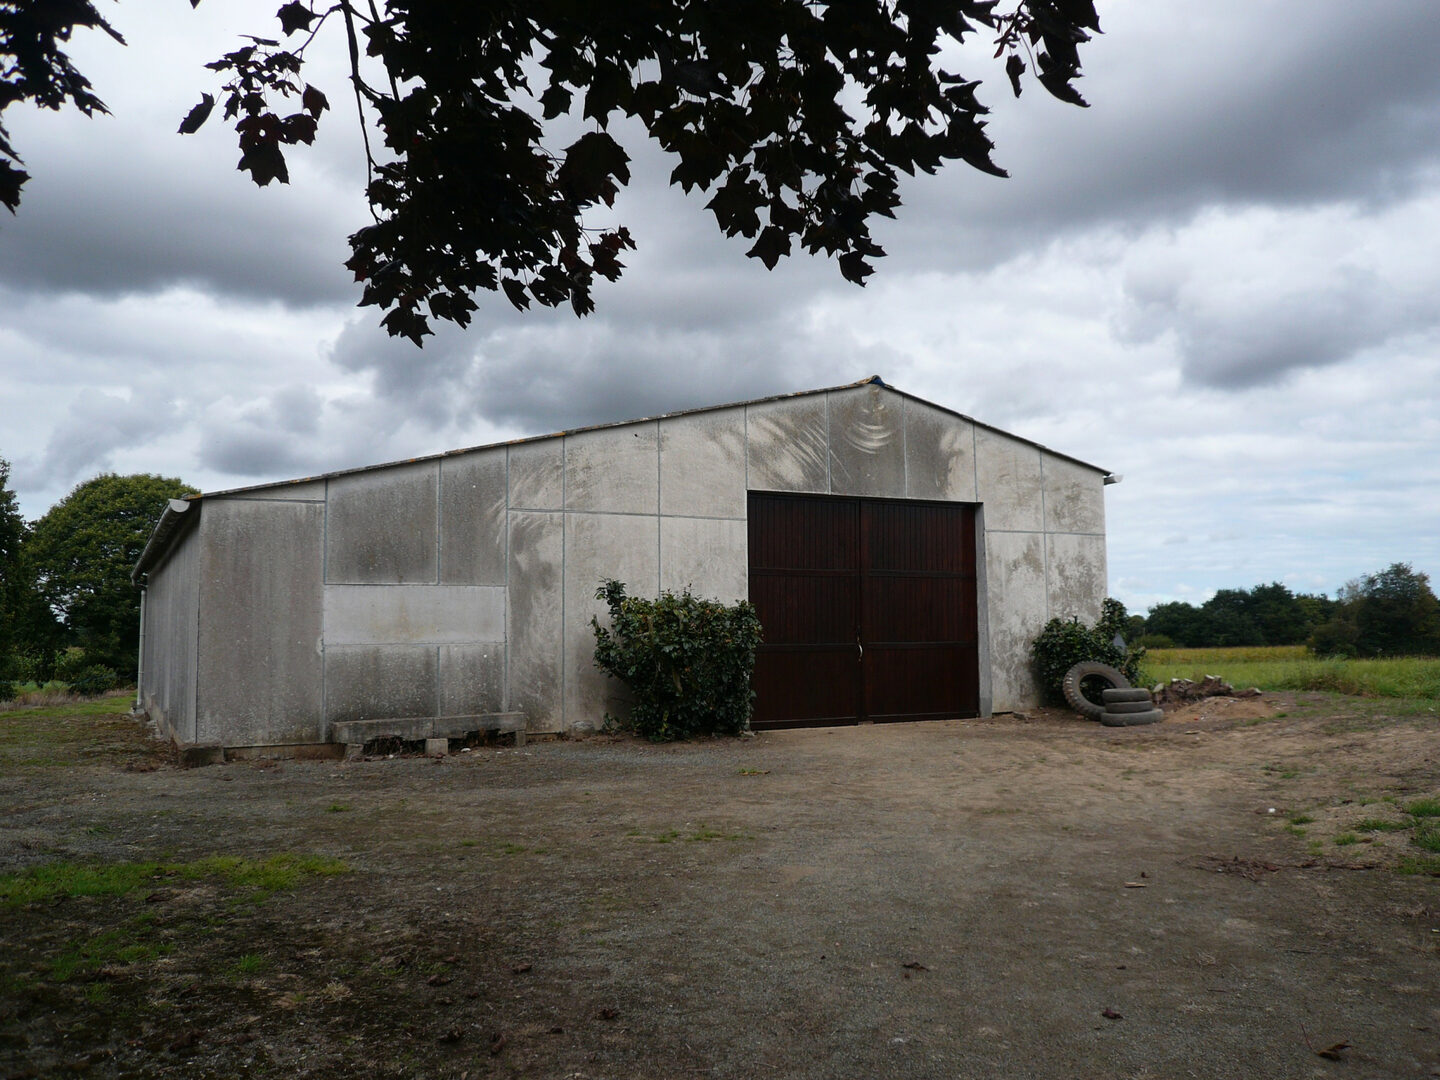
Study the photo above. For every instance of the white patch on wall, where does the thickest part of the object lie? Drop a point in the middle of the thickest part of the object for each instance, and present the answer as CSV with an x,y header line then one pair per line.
x,y
413,614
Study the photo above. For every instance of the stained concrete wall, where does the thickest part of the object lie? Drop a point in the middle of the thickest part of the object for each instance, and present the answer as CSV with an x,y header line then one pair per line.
x,y
172,614
467,583
258,676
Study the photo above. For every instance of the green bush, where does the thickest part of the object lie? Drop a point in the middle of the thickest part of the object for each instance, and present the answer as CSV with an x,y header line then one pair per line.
x,y
70,663
1063,644
686,661
94,680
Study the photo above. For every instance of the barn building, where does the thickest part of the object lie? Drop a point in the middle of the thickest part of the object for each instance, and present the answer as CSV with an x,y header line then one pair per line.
x,y
902,557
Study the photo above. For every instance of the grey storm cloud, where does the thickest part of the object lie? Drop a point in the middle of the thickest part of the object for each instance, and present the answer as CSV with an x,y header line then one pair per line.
x,y
93,428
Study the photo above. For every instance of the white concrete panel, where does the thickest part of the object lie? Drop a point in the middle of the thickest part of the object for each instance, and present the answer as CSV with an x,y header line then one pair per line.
x,y
867,442
702,464
1074,497
787,445
472,679
1008,482
939,454
536,619
381,526
413,614
1076,569
537,475
597,547
709,557
616,470
380,682
472,518
1016,608
258,668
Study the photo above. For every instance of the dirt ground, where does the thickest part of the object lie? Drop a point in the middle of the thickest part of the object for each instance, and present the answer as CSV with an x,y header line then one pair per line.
x,y
1038,897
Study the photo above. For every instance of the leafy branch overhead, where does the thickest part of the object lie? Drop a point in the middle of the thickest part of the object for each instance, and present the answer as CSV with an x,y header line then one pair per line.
x,y
794,117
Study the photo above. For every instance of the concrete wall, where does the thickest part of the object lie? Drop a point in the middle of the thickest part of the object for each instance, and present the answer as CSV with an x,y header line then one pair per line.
x,y
172,611
466,583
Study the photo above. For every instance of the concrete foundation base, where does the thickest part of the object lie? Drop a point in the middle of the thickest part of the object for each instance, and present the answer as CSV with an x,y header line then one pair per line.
x,y
437,747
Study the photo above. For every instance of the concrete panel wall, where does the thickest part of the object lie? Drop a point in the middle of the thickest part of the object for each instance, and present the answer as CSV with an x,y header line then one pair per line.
x,y
939,455
535,626
172,613
600,546
1008,482
413,614
259,670
614,470
788,445
1074,498
867,442
702,465
709,556
381,682
472,679
1075,576
537,475
472,519
1016,607
382,527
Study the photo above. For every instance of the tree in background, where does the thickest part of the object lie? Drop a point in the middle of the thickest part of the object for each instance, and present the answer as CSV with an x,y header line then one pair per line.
x,y
1390,613
12,533
799,116
1264,615
81,552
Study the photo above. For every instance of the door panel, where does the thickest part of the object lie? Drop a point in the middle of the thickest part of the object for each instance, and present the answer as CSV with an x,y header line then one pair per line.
x,y
868,608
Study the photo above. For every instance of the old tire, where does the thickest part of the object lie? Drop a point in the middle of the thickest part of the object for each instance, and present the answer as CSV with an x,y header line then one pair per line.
x,y
1090,668
1121,707
1132,719
1125,693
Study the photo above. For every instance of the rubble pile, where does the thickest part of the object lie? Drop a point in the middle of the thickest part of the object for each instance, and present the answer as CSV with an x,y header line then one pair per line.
x,y
1181,691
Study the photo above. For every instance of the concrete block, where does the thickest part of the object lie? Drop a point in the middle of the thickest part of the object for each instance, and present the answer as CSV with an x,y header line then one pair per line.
x,y
1016,610
537,475
369,682
413,614
709,556
867,442
1008,482
535,619
472,678
702,464
939,454
258,663
472,518
615,470
1076,575
787,445
381,528
1074,497
600,546
437,747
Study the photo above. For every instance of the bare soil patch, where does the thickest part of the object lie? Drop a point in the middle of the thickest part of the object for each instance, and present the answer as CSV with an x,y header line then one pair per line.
x,y
1038,897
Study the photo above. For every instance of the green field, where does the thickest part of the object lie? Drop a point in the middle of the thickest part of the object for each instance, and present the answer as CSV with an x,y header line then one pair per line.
x,y
1292,667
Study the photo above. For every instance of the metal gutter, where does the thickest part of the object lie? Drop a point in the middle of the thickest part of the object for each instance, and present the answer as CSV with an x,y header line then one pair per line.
x,y
178,514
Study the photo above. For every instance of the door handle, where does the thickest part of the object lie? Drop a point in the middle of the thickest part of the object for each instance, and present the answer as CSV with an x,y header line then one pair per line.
x,y
860,647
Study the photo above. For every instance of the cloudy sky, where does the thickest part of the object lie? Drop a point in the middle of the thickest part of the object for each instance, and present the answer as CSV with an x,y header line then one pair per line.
x,y
1222,281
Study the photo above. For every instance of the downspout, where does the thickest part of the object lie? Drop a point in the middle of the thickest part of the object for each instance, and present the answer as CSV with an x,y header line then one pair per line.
x,y
139,706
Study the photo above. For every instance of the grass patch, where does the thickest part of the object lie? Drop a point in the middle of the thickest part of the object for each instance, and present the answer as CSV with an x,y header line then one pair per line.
x,y
251,963
1292,667
338,808
108,949
1345,839
1301,819
77,732
69,880
1427,838
1420,864
1380,825
1424,808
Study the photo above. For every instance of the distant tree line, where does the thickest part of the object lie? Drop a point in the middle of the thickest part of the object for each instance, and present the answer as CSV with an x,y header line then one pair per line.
x,y
66,602
1392,612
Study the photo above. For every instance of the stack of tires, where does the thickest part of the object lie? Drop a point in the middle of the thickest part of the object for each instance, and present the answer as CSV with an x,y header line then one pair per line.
x,y
1125,705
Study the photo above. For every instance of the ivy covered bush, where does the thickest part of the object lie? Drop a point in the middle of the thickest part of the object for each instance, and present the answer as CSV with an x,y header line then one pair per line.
x,y
1065,643
686,661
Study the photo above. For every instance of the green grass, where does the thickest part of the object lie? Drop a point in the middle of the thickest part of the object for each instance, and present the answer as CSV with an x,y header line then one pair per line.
x,y
1345,839
1291,667
68,880
106,950
1424,808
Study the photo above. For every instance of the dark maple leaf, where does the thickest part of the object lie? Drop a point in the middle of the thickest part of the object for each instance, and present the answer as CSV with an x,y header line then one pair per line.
x,y
198,115
294,16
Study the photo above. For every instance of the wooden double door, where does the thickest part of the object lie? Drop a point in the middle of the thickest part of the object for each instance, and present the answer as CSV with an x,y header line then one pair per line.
x,y
868,610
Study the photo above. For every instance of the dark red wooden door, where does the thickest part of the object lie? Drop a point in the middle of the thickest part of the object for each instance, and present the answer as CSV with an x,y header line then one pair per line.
x,y
868,608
